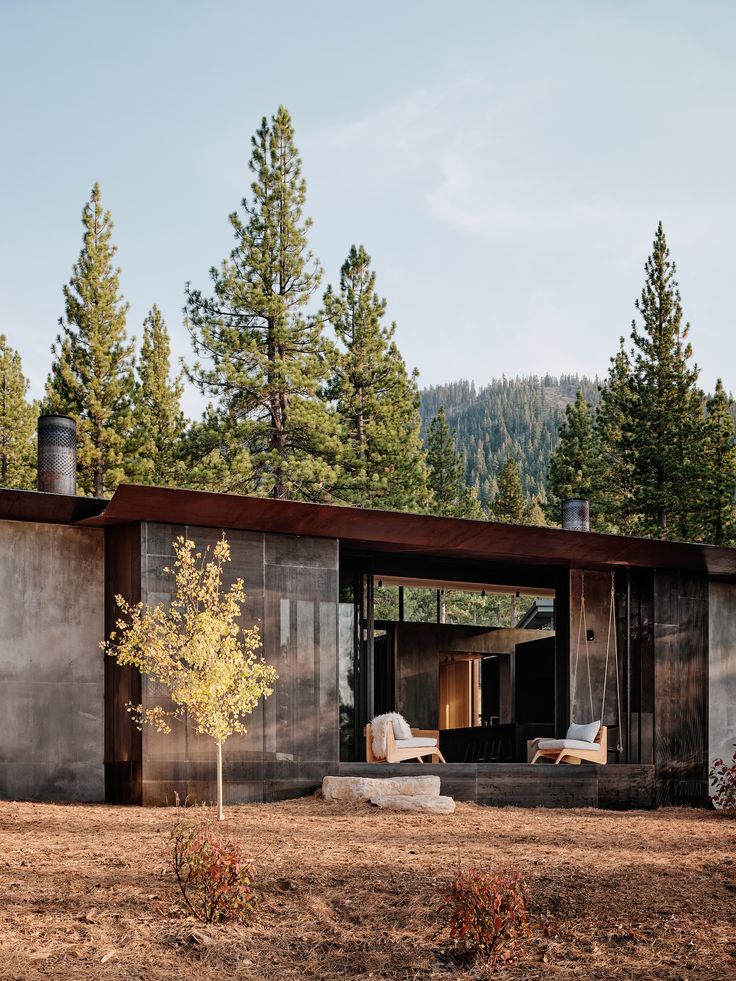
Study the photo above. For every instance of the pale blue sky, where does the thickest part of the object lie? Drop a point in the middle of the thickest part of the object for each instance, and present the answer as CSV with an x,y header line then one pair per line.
x,y
505,164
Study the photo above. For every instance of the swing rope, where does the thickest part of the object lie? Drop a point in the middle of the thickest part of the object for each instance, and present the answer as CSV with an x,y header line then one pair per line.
x,y
582,631
612,631
583,628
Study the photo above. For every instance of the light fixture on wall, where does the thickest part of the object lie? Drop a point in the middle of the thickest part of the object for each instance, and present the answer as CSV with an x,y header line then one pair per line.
x,y
380,583
483,593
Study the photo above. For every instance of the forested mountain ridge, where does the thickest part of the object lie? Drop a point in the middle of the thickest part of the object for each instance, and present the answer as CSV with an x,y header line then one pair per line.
x,y
516,418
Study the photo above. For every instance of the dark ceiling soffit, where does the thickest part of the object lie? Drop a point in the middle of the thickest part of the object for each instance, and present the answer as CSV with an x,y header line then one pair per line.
x,y
55,509
410,534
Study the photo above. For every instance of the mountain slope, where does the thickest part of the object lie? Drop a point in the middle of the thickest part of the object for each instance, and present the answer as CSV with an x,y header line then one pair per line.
x,y
509,417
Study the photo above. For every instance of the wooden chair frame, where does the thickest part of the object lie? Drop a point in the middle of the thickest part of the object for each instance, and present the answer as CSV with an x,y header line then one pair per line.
x,y
396,754
575,756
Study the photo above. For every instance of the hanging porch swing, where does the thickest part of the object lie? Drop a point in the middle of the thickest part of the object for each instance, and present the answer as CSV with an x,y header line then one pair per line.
x,y
588,741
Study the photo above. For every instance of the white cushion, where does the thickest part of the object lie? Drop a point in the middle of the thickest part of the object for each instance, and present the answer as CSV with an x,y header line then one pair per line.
x,y
417,741
402,729
379,726
585,732
566,744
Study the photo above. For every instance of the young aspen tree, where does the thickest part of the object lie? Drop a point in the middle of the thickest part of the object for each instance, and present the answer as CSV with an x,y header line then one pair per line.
x,y
197,650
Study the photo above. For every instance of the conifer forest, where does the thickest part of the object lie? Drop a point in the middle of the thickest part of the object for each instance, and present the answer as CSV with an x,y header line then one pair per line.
x,y
308,396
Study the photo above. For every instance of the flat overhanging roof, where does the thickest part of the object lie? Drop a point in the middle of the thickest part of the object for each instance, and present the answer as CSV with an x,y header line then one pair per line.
x,y
53,509
416,535
387,532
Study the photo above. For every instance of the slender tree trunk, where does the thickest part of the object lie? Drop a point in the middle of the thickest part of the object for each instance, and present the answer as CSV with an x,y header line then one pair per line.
x,y
220,812
4,454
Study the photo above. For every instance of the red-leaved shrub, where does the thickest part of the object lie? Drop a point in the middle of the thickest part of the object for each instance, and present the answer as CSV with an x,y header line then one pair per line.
x,y
487,914
215,877
723,778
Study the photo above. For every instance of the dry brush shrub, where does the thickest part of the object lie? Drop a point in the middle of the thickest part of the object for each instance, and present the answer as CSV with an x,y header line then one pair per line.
x,y
214,875
723,778
487,913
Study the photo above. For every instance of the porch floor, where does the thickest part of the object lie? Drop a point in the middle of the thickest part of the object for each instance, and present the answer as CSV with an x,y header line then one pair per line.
x,y
615,787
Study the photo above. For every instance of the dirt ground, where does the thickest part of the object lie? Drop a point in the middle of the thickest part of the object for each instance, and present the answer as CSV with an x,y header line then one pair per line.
x,y
350,892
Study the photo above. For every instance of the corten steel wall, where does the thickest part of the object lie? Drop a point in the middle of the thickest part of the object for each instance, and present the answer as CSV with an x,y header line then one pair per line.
x,y
51,666
722,671
680,687
292,739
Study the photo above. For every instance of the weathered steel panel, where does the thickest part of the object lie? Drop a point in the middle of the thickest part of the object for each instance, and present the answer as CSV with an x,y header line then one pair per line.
x,y
680,685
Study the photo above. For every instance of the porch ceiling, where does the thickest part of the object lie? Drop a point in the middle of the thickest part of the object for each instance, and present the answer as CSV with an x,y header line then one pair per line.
x,y
411,534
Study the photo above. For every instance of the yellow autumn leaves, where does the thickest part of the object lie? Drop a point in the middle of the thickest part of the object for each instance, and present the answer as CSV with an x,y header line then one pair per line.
x,y
195,648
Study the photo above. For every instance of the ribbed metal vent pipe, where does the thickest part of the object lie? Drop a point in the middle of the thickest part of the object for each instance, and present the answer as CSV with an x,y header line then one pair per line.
x,y
57,455
576,514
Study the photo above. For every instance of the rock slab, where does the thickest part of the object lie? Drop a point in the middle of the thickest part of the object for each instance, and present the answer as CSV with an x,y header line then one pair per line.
x,y
365,788
419,803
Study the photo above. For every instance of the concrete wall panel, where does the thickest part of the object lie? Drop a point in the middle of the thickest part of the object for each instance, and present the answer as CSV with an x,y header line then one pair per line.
x,y
51,667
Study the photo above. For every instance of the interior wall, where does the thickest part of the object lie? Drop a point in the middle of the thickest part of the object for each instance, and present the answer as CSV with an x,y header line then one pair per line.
x,y
51,666
722,671
417,662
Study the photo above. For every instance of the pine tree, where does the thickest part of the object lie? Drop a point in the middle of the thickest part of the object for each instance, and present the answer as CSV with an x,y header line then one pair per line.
x,y
615,486
450,494
718,474
535,513
382,458
159,421
574,464
17,422
664,428
446,470
267,363
509,504
91,376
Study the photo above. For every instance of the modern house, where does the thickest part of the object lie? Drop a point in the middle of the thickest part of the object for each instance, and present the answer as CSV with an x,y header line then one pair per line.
x,y
365,611
492,633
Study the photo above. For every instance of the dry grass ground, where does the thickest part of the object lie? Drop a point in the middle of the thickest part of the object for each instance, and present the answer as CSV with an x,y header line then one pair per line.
x,y
349,892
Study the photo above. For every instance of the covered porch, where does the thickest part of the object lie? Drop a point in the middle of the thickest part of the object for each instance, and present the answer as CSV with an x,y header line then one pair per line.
x,y
494,655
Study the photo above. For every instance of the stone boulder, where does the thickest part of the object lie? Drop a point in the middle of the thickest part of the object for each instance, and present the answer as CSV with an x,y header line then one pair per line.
x,y
364,788
419,803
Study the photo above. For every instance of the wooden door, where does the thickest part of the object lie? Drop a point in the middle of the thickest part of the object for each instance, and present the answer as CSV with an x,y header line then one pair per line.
x,y
456,694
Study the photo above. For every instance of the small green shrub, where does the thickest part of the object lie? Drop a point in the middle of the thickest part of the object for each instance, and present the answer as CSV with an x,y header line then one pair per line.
x,y
723,778
487,914
215,877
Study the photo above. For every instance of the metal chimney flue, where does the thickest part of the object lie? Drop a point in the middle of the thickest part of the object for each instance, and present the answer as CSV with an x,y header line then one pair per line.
x,y
576,514
57,455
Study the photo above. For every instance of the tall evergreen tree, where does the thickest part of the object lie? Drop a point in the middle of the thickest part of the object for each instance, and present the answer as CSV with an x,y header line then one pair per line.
x,y
159,421
509,504
17,422
615,486
446,470
382,458
717,507
450,494
575,463
91,376
664,427
266,358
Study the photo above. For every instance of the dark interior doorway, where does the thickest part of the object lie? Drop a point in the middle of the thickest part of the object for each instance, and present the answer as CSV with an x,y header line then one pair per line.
x,y
383,671
535,681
